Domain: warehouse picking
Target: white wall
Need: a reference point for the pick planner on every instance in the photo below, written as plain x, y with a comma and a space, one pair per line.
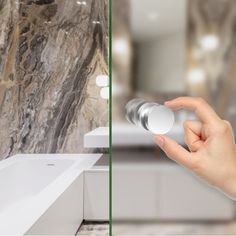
161, 64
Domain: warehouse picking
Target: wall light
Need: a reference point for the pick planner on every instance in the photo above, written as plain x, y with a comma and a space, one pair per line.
81, 3
210, 42
96, 22
102, 80
120, 46
196, 76
104, 93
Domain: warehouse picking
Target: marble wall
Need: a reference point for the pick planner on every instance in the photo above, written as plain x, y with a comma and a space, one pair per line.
50, 54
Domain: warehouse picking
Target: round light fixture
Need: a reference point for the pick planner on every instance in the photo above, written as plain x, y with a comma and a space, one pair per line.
196, 76
120, 46
104, 93
81, 3
210, 42
102, 80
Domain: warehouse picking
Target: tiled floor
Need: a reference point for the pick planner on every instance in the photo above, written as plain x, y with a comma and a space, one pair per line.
160, 229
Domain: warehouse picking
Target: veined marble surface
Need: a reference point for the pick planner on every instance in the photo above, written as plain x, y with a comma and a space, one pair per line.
96, 229
50, 54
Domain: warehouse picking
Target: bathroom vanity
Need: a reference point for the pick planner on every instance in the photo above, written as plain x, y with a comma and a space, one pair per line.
146, 185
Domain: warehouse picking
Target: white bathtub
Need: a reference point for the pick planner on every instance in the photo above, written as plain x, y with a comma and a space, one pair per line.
42, 193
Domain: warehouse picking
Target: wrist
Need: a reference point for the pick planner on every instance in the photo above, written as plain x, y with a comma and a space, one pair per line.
229, 185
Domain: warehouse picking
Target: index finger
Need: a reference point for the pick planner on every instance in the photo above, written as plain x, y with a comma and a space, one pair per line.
198, 105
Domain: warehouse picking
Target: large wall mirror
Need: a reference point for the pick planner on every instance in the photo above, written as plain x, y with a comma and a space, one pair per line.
185, 47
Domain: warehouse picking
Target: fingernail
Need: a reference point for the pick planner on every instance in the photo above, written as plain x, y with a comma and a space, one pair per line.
160, 140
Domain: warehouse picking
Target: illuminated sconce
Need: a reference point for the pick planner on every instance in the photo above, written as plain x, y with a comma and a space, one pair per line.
120, 46
210, 42
81, 3
104, 93
196, 76
102, 80
96, 22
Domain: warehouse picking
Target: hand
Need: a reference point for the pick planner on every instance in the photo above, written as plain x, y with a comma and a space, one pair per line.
212, 154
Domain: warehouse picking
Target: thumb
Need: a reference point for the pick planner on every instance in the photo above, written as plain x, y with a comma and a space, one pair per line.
174, 151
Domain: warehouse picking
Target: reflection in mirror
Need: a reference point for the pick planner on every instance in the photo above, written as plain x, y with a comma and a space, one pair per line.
158, 35
149, 55
163, 49
211, 54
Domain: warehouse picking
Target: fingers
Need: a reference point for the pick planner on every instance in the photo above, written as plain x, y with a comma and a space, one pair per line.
193, 136
200, 106
174, 151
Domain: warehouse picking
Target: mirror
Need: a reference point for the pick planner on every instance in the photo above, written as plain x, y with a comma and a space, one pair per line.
158, 34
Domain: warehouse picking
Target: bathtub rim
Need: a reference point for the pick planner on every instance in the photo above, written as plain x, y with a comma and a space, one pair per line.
47, 196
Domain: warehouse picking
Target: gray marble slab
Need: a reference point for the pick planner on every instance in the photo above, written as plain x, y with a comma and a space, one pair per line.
101, 229
50, 54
